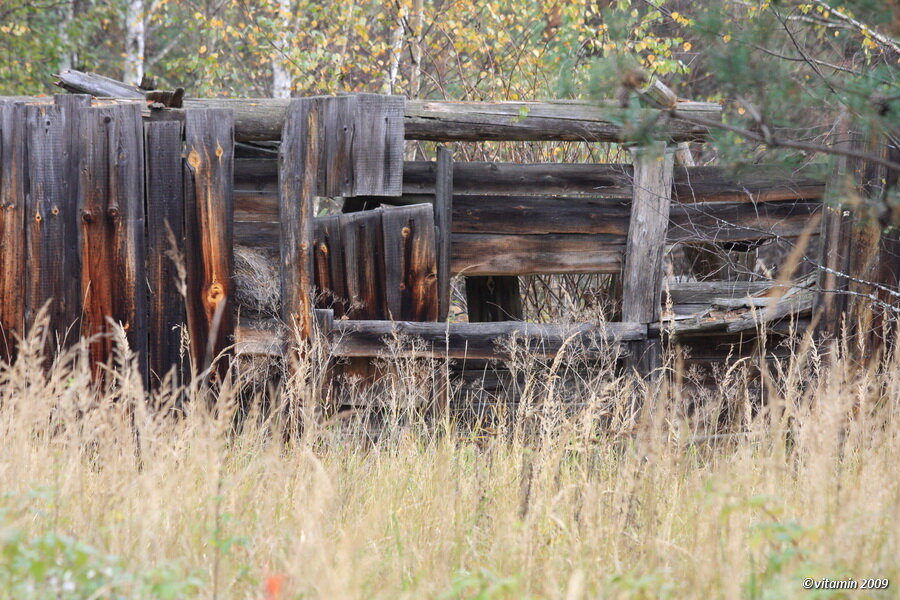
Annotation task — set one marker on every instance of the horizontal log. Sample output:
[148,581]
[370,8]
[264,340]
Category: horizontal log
[539,215]
[477,340]
[738,221]
[751,183]
[551,179]
[263,118]
[704,292]
[477,254]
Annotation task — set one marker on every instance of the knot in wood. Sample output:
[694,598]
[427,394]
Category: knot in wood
[87,216]
[54,211]
[219,150]
[113,212]
[323,248]
[38,218]
[194,159]
[215,293]
[405,231]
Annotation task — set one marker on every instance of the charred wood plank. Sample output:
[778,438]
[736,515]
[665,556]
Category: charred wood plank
[443,220]
[165,227]
[52,214]
[494,298]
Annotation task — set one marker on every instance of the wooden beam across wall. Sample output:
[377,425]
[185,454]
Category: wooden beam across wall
[264,118]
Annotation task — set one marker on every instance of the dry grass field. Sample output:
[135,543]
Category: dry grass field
[120,495]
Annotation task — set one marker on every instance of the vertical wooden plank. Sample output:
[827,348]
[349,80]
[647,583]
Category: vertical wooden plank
[298,174]
[209,233]
[836,229]
[643,270]
[410,260]
[443,220]
[340,118]
[12,227]
[331,283]
[73,107]
[364,264]
[49,207]
[494,298]
[165,224]
[378,145]
[111,203]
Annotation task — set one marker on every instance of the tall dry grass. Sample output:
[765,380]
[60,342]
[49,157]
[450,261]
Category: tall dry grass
[117,494]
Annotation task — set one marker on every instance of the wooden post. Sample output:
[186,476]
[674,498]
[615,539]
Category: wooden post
[111,203]
[165,225]
[12,227]
[492,298]
[643,271]
[443,220]
[298,174]
[52,272]
[208,228]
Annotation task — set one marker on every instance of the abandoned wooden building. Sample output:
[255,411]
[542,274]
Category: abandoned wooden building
[102,187]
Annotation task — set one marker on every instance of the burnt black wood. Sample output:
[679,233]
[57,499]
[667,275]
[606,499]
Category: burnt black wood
[165,241]
[493,298]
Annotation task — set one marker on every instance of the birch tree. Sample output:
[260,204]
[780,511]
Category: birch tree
[134,42]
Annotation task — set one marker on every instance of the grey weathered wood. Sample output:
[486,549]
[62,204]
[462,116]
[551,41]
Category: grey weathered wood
[364,264]
[532,215]
[336,139]
[443,221]
[642,272]
[476,254]
[111,203]
[378,145]
[750,183]
[410,263]
[165,226]
[298,168]
[209,236]
[12,227]
[493,298]
[49,210]
[737,221]
[97,85]
[361,338]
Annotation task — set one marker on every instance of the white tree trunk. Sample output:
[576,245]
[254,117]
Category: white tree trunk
[68,57]
[390,83]
[282,82]
[134,42]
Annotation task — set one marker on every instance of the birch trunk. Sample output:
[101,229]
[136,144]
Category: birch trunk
[134,42]
[281,77]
